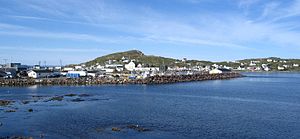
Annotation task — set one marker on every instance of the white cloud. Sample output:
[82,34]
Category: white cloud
[225,29]
[41,49]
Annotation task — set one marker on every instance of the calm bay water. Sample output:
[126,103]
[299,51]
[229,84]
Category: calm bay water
[262,105]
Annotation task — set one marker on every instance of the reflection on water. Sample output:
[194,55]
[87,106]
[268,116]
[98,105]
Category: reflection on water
[33,87]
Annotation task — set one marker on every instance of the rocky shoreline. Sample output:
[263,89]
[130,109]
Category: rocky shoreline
[98,81]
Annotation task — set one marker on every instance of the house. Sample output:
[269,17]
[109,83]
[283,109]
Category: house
[57,68]
[265,67]
[78,68]
[252,63]
[286,66]
[219,71]
[130,66]
[95,73]
[114,66]
[280,68]
[37,67]
[40,73]
[241,68]
[76,73]
[68,69]
[13,65]
[108,70]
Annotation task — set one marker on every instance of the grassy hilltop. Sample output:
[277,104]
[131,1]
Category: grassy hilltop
[140,57]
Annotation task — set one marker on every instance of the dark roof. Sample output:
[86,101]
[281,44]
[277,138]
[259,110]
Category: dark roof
[94,71]
[224,70]
[2,73]
[42,71]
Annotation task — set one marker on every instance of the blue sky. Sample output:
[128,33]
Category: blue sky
[78,30]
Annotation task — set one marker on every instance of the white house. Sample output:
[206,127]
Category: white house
[100,67]
[92,73]
[108,70]
[57,68]
[113,65]
[68,69]
[219,71]
[40,73]
[78,67]
[295,65]
[280,68]
[130,66]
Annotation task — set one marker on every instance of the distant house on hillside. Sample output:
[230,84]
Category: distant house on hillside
[130,66]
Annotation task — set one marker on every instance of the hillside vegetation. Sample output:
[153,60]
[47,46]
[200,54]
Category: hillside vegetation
[140,57]
[150,60]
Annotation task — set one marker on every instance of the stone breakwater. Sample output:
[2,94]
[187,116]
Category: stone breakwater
[97,81]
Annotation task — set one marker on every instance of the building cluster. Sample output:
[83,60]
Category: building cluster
[267,65]
[123,68]
[132,69]
[261,65]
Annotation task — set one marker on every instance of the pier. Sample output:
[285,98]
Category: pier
[166,79]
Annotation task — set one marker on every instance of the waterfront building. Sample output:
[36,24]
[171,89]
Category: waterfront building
[37,67]
[75,73]
[68,69]
[40,73]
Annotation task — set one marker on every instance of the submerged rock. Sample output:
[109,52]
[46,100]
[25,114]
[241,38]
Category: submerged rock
[138,128]
[116,129]
[37,96]
[10,110]
[5,102]
[16,137]
[71,95]
[77,100]
[25,101]
[57,98]
[30,110]
[84,95]
[99,129]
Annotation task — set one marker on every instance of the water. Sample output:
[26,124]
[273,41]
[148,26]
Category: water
[258,106]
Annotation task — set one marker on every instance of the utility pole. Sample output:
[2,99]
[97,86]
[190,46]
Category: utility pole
[5,63]
[60,62]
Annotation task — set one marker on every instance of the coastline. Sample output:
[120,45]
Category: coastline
[102,81]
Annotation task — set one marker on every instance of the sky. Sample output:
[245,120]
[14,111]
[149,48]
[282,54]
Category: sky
[75,31]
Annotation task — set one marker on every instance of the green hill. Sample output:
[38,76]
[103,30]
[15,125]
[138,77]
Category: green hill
[150,60]
[140,57]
